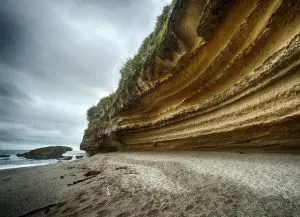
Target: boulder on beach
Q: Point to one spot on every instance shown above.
(51, 152)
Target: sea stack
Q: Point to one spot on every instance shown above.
(51, 152)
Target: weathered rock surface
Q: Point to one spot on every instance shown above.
(51, 152)
(226, 77)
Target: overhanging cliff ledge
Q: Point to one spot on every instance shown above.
(213, 75)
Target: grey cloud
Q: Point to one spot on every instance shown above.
(57, 58)
(10, 90)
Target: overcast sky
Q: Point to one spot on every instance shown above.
(58, 58)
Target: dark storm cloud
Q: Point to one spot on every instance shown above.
(10, 90)
(10, 35)
(57, 58)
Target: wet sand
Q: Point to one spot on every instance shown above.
(156, 184)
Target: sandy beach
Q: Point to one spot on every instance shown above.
(156, 184)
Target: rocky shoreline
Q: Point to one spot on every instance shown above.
(50, 152)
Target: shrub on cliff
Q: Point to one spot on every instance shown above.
(130, 71)
(91, 113)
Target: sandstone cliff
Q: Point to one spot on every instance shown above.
(215, 74)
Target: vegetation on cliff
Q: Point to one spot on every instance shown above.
(130, 71)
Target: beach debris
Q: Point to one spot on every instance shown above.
(131, 172)
(121, 168)
(81, 180)
(61, 177)
(108, 193)
(47, 208)
(6, 179)
(92, 173)
(101, 177)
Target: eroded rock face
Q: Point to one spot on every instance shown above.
(226, 77)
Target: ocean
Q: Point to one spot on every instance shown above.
(12, 161)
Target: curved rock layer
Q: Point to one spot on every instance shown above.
(231, 80)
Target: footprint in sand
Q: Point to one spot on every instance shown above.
(123, 214)
(68, 209)
(79, 195)
(147, 206)
(86, 208)
(121, 168)
(74, 214)
(103, 212)
(95, 200)
(83, 200)
(228, 201)
(189, 207)
(153, 212)
(61, 204)
(100, 204)
(199, 200)
(47, 210)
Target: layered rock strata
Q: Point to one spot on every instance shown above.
(227, 76)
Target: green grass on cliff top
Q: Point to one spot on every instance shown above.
(130, 72)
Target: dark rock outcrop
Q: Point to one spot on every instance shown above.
(51, 152)
(4, 155)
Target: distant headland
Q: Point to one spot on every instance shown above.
(50, 152)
